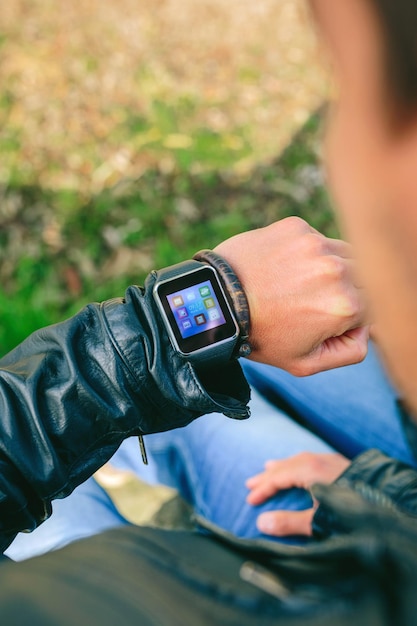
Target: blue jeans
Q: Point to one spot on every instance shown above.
(347, 410)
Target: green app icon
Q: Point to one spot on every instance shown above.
(204, 291)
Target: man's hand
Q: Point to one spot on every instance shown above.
(307, 314)
(301, 470)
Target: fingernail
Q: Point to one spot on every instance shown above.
(265, 523)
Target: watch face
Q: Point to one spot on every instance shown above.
(196, 310)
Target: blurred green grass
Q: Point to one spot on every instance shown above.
(134, 133)
(60, 250)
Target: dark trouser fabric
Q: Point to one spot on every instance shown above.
(143, 576)
(133, 576)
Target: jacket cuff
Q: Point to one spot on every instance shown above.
(175, 392)
(378, 479)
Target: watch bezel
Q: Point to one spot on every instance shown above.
(198, 343)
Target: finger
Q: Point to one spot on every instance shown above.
(262, 491)
(253, 481)
(340, 294)
(282, 474)
(340, 248)
(346, 349)
(352, 346)
(350, 276)
(284, 523)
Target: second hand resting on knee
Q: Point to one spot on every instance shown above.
(302, 471)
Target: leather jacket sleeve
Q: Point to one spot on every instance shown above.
(380, 480)
(70, 394)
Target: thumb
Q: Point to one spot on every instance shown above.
(283, 523)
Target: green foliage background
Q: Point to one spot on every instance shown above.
(121, 154)
(78, 249)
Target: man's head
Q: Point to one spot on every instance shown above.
(371, 154)
(397, 22)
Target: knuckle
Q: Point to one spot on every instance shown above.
(296, 222)
(351, 305)
(311, 461)
(316, 465)
(295, 225)
(305, 458)
(347, 305)
(317, 244)
(334, 266)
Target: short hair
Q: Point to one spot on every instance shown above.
(398, 21)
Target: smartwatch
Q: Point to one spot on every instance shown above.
(194, 308)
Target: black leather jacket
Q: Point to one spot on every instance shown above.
(72, 392)
(388, 484)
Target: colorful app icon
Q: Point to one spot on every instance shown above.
(177, 301)
(209, 303)
(191, 296)
(204, 291)
(200, 319)
(186, 324)
(213, 314)
(182, 312)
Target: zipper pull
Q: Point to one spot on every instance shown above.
(143, 449)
